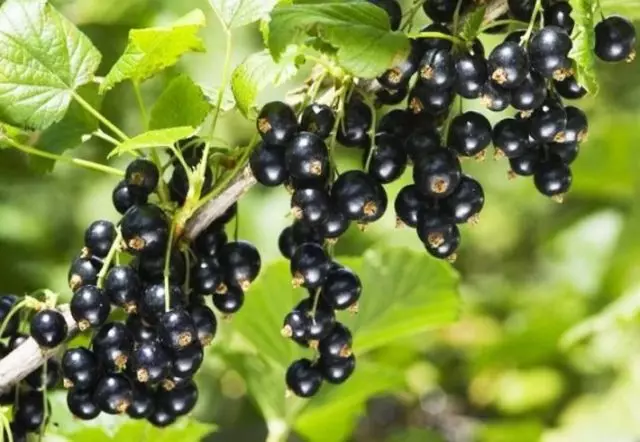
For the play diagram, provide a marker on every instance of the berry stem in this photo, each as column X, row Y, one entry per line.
column 51, row 156
column 82, row 102
column 496, row 23
column 456, row 40
column 16, row 308
column 163, row 192
column 141, row 106
column 316, row 300
column 372, row 133
column 108, row 138
column 525, row 38
column 6, row 425
column 115, row 247
column 456, row 17
column 167, row 264
column 45, row 413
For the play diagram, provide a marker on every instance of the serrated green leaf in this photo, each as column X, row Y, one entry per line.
column 182, row 103
column 151, row 50
column 153, row 139
column 45, row 58
column 237, row 13
column 211, row 94
column 473, row 23
column 359, row 31
column 583, row 37
column 259, row 71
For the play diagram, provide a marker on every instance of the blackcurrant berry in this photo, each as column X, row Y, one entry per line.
column 161, row 417
column 38, row 378
column 393, row 10
column 322, row 322
column 150, row 362
column 426, row 43
column 82, row 405
column 176, row 329
column 388, row 160
column 548, row 122
column 439, row 234
column 511, row 137
column 205, row 323
column 7, row 303
column 207, row 277
column 112, row 345
column 89, row 307
column 559, row 14
column 342, row 288
column 318, row 119
column 276, row 123
column 230, row 302
column 431, row 101
column 521, row 9
column 549, row 52
column 123, row 287
column 83, row 271
column 143, row 402
column 615, row 39
column 569, row 88
column 311, row 206
column 48, row 328
column 553, row 177
column 286, row 243
column 530, row 94
column 151, row 267
column 241, row 261
column 390, row 97
column 125, row 196
column 398, row 77
column 508, row 64
column 186, row 362
column 152, row 304
column 466, row 202
column 303, row 232
column 113, row 394
column 577, row 127
column 527, row 163
column 398, row 122
column 437, row 69
column 296, row 326
column 359, row 197
column 209, row 242
column 469, row 133
column 142, row 173
column 268, row 165
column 422, row 142
column 337, row 344
column 408, row 203
column 337, row 370
column 145, row 229
column 80, row 369
column 335, row 225
column 303, row 379
column 442, row 11
column 307, row 157
column 309, row 265
column 29, row 412
column 438, row 174
column 567, row 152
column 516, row 36
column 179, row 401
column 494, row 97
column 471, row 74
column 140, row 330
column 99, row 237
column 353, row 131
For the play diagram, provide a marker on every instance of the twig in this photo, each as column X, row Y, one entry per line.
column 495, row 9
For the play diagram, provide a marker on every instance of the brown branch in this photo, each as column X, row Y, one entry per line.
column 495, row 9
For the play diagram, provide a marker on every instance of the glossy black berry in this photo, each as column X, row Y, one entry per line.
column 151, row 267
column 335, row 225
column 407, row 205
column 309, row 265
column 82, row 405
column 527, row 163
column 89, row 307
column 209, row 242
column 39, row 378
column 113, row 394
column 152, row 304
column 390, row 97
column 398, row 122
column 530, row 94
column 83, row 271
column 548, row 122
column 359, row 197
column 388, row 160
column 150, row 362
column 123, row 287
column 7, row 303
column 145, row 229
column 398, row 77
column 48, row 328
column 307, row 157
column 205, row 323
column 276, row 123
column 311, row 206
column 432, row 101
column 179, row 401
column 342, row 288
column 567, row 152
column 99, row 237
column 140, row 330
column 296, row 326
column 569, row 88
column 426, row 43
column 353, row 131
column 494, row 97
column 318, row 119
column 438, row 233
column 437, row 69
column 268, row 165
column 338, row 344
column 466, row 201
column 442, row 10
column 303, row 379
column 438, row 174
column 559, row 14
column 112, row 345
column 161, row 417
column 207, row 277
column 521, row 9
column 422, row 141
column 187, row 362
column 615, row 39
column 577, row 127
column 143, row 402
column 393, row 10
column 241, row 261
column 80, row 368
column 511, row 137
column 176, row 329
column 29, row 413
column 125, row 196
column 553, row 178
column 337, row 370
column 230, row 302
column 508, row 64
column 549, row 52
column 322, row 322
column 471, row 75
column 469, row 133
column 142, row 173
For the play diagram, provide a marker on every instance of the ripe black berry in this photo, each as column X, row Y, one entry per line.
column 209, row 242
column 388, row 161
column 176, row 329
column 241, row 261
column 318, row 119
column 342, row 288
column 150, row 362
column 359, row 197
column 143, row 402
column 286, row 243
column 548, row 52
column 125, row 196
column 442, row 10
column 186, row 362
column 569, row 88
column 151, row 267
column 83, row 271
column 469, row 133
column 38, row 378
column 494, row 97
column 393, row 10
column 145, row 229
column 142, row 173
column 99, row 237
column 179, row 401
column 7, row 303
column 230, row 302
column 466, row 202
column 399, row 76
column 530, row 94
column 548, row 121
column 113, row 345
column 296, row 326
column 353, row 131
column 205, row 323
column 426, row 44
column 89, row 307
column 303, row 379
column 307, row 157
column 335, row 225
column 431, row 101
column 528, row 162
column 439, row 234
column 438, row 174
column 422, row 141
column 140, row 330
column 82, row 405
column 48, row 328
column 511, row 137
column 559, row 14
column 322, row 322
column 309, row 265
column 161, row 417
column 407, row 205
column 615, row 39
column 521, row 9
column 337, row 370
column 123, row 287
column 310, row 205
column 508, row 64
column 29, row 412
column 113, row 394
column 152, row 304
column 276, row 123
column 577, row 127
column 80, row 368
column 337, row 344
column 567, row 152
column 390, row 97
column 207, row 277
column 553, row 177
column 437, row 69
column 471, row 74
column 398, row 122
column 268, row 165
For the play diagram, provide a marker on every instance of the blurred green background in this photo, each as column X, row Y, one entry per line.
column 546, row 345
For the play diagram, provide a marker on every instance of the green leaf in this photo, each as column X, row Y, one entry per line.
column 237, row 13
column 151, row 50
column 45, row 58
column 182, row 103
column 473, row 23
column 627, row 8
column 359, row 31
column 152, row 139
column 259, row 71
column 583, row 37
column 228, row 100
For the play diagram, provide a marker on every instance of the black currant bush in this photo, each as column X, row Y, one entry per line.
column 410, row 90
